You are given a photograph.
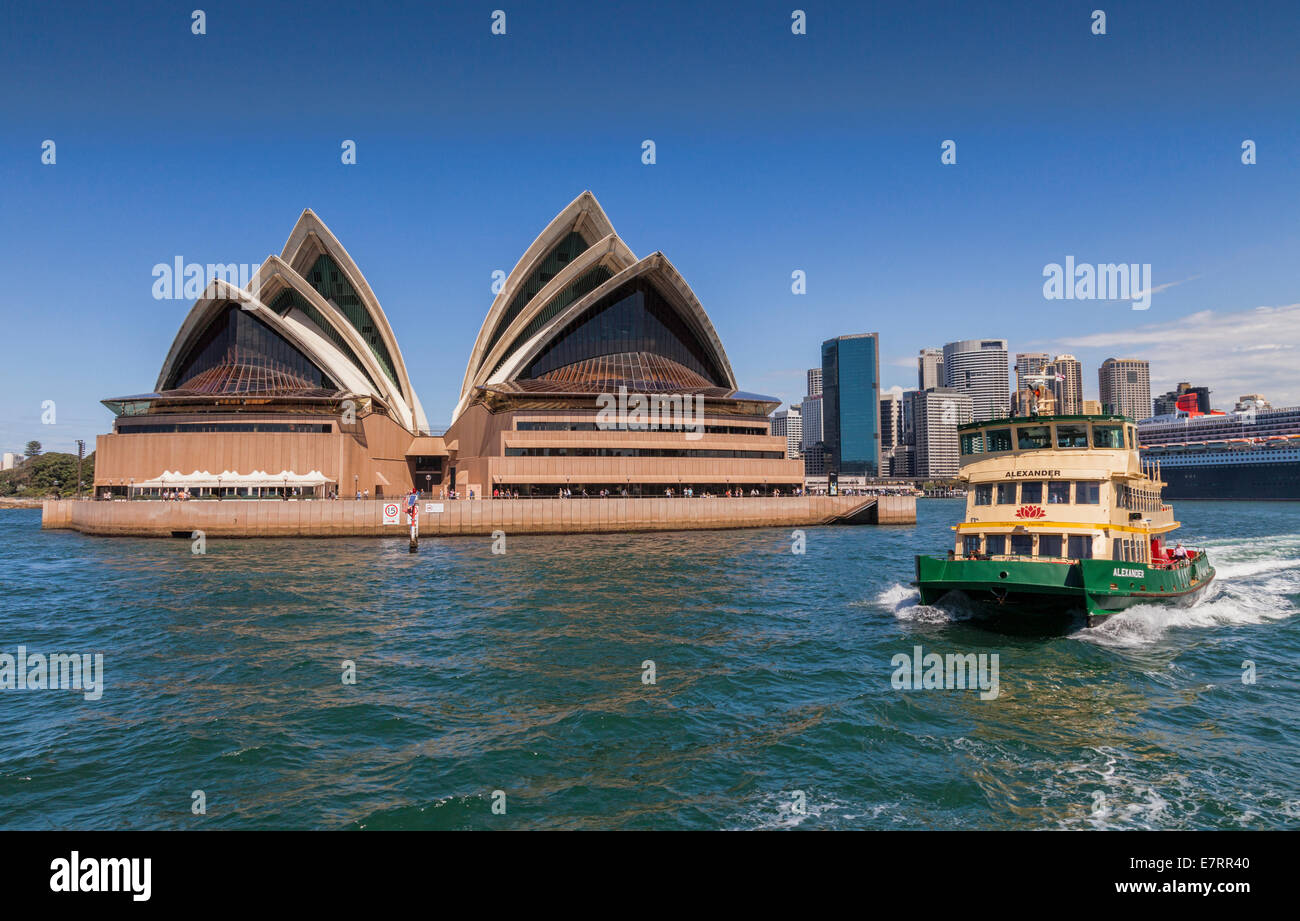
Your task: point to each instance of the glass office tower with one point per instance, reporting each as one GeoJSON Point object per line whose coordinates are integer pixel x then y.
{"type": "Point", "coordinates": [851, 404]}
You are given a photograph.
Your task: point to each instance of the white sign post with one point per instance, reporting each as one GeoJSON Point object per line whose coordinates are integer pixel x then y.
{"type": "Point", "coordinates": [392, 513]}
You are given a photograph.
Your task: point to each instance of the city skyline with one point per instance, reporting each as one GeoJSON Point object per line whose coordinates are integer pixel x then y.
{"type": "Point", "coordinates": [758, 175]}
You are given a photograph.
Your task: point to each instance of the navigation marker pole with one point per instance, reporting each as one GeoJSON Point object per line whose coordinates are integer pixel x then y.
{"type": "Point", "coordinates": [415, 528]}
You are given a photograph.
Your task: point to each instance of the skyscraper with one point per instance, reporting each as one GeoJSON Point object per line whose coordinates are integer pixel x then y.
{"type": "Point", "coordinates": [935, 417]}
{"type": "Point", "coordinates": [1032, 384]}
{"type": "Point", "coordinates": [1125, 385]}
{"type": "Point", "coordinates": [1028, 363]}
{"type": "Point", "coordinates": [814, 382]}
{"type": "Point", "coordinates": [929, 369]}
{"type": "Point", "coordinates": [788, 424]}
{"type": "Point", "coordinates": [891, 431]}
{"type": "Point", "coordinates": [978, 367]}
{"type": "Point", "coordinates": [891, 422]}
{"type": "Point", "coordinates": [851, 404]}
{"type": "Point", "coordinates": [1185, 397]}
{"type": "Point", "coordinates": [1069, 392]}
{"type": "Point", "coordinates": [814, 460]}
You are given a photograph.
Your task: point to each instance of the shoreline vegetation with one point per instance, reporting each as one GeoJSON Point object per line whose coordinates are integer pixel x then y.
{"type": "Point", "coordinates": [50, 475]}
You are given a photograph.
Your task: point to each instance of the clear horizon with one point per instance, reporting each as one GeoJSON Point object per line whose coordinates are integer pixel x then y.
{"type": "Point", "coordinates": [775, 152]}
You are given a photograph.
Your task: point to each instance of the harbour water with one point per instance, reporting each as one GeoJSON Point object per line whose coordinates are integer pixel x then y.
{"type": "Point", "coordinates": [526, 672]}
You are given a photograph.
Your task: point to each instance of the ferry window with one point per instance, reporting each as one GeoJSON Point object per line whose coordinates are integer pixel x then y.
{"type": "Point", "coordinates": [1022, 545]}
{"type": "Point", "coordinates": [995, 544]}
{"type": "Point", "coordinates": [970, 545]}
{"type": "Point", "coordinates": [1087, 493]}
{"type": "Point", "coordinates": [1058, 492]}
{"type": "Point", "coordinates": [999, 439]}
{"type": "Point", "coordinates": [1107, 436]}
{"type": "Point", "coordinates": [1006, 494]}
{"type": "Point", "coordinates": [1119, 550]}
{"type": "Point", "coordinates": [1132, 436]}
{"type": "Point", "coordinates": [1072, 436]}
{"type": "Point", "coordinates": [1079, 547]}
{"type": "Point", "coordinates": [984, 494]}
{"type": "Point", "coordinates": [1031, 493]}
{"type": "Point", "coordinates": [1049, 545]}
{"type": "Point", "coordinates": [1034, 436]}
{"type": "Point", "coordinates": [972, 443]}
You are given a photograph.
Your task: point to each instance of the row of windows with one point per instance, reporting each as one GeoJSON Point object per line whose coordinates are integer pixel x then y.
{"type": "Point", "coordinates": [1044, 546]}
{"type": "Point", "coordinates": [1272, 421]}
{"type": "Point", "coordinates": [1036, 437]}
{"type": "Point", "coordinates": [1032, 492]}
{"type": "Point", "coordinates": [639, 452]}
{"type": "Point", "coordinates": [281, 427]}
{"type": "Point", "coordinates": [628, 489]}
{"type": "Point", "coordinates": [592, 427]}
{"type": "Point", "coordinates": [1138, 500]}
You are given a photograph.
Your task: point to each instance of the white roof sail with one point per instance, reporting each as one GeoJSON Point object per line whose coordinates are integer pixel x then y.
{"type": "Point", "coordinates": [362, 372]}
{"type": "Point", "coordinates": [582, 215]}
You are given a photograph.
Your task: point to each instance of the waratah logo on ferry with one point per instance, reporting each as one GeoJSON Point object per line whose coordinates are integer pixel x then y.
{"type": "Point", "coordinates": [1030, 511]}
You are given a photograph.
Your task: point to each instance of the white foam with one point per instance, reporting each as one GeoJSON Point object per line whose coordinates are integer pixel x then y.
{"type": "Point", "coordinates": [1230, 570]}
{"type": "Point", "coordinates": [1117, 800]}
{"type": "Point", "coordinates": [898, 595]}
{"type": "Point", "coordinates": [1255, 593]}
{"type": "Point", "coordinates": [903, 601]}
{"type": "Point", "coordinates": [776, 810]}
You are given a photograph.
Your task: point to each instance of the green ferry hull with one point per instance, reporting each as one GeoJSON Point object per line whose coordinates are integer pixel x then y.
{"type": "Point", "coordinates": [1037, 587]}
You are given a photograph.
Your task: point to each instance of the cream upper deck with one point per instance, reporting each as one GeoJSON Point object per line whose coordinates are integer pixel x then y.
{"type": "Point", "coordinates": [1059, 488]}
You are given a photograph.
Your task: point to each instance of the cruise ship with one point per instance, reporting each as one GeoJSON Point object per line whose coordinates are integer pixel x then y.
{"type": "Point", "coordinates": [1245, 454]}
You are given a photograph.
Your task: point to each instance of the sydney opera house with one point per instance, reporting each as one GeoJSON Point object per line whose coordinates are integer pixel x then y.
{"type": "Point", "coordinates": [593, 371]}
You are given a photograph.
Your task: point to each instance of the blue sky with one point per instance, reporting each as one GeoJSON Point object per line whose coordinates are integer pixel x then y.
{"type": "Point", "coordinates": [775, 152]}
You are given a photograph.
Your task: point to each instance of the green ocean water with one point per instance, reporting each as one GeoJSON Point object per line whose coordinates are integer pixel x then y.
{"type": "Point", "coordinates": [772, 705]}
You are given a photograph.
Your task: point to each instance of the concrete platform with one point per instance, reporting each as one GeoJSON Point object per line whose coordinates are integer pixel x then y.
{"type": "Point", "coordinates": [364, 518]}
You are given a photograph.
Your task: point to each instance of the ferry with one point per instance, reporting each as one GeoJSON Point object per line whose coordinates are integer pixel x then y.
{"type": "Point", "coordinates": [1062, 516]}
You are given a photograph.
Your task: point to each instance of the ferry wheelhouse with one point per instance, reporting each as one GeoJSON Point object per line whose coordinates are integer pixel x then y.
{"type": "Point", "coordinates": [1062, 515]}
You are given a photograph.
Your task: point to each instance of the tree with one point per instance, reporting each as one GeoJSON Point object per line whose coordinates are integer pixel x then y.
{"type": "Point", "coordinates": [33, 449]}
{"type": "Point", "coordinates": [36, 477]}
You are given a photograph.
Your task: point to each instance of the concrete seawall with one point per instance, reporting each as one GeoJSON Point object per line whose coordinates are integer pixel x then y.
{"type": "Point", "coordinates": [364, 518]}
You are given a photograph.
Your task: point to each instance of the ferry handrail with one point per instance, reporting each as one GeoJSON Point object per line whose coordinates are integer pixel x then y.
{"type": "Point", "coordinates": [1020, 558]}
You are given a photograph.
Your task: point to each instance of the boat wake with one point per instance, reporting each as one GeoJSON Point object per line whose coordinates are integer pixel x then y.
{"type": "Point", "coordinates": [904, 602]}
{"type": "Point", "coordinates": [1254, 584]}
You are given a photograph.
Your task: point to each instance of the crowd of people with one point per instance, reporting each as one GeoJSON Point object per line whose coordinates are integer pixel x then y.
{"type": "Point", "coordinates": [562, 492]}
{"type": "Point", "coordinates": [624, 492]}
